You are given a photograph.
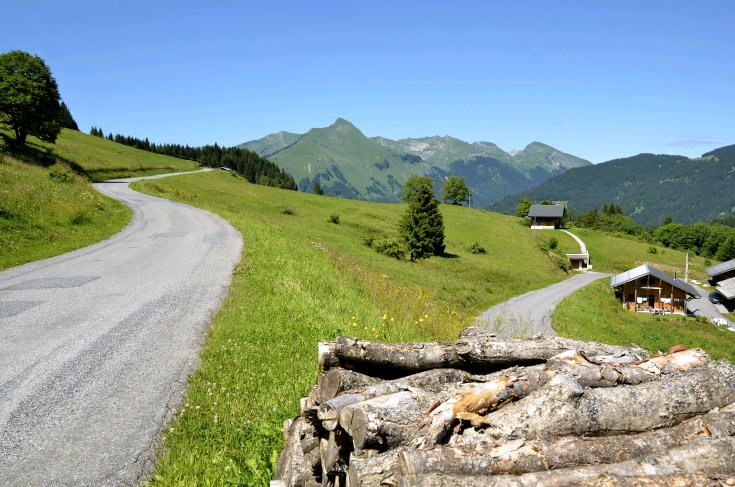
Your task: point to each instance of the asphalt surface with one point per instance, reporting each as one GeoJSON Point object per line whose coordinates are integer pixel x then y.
{"type": "Point", "coordinates": [96, 345]}
{"type": "Point", "coordinates": [530, 314]}
{"type": "Point", "coordinates": [703, 307]}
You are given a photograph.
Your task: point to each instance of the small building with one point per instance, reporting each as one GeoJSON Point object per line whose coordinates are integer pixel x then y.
{"type": "Point", "coordinates": [545, 217]}
{"type": "Point", "coordinates": [579, 261]}
{"type": "Point", "coordinates": [647, 289]}
{"type": "Point", "coordinates": [723, 278]}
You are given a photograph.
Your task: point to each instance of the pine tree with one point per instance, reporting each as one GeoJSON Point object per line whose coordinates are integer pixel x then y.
{"type": "Point", "coordinates": [422, 226]}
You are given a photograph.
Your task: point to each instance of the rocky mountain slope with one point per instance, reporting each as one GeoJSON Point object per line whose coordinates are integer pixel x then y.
{"type": "Point", "coordinates": [346, 163]}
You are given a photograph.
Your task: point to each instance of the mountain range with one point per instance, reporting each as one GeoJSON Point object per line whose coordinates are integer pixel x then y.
{"type": "Point", "coordinates": [346, 163]}
{"type": "Point", "coordinates": [648, 187]}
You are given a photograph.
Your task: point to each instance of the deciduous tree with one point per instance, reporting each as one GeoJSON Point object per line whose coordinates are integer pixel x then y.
{"type": "Point", "coordinates": [455, 190]}
{"type": "Point", "coordinates": [523, 207]}
{"type": "Point", "coordinates": [29, 97]}
{"type": "Point", "coordinates": [414, 184]}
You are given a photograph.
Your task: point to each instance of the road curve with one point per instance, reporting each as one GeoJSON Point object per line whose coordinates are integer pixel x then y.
{"type": "Point", "coordinates": [96, 345]}
{"type": "Point", "coordinates": [530, 314]}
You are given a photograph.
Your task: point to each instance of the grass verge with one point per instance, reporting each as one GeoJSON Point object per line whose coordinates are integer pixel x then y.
{"type": "Point", "coordinates": [49, 211]}
{"type": "Point", "coordinates": [593, 313]}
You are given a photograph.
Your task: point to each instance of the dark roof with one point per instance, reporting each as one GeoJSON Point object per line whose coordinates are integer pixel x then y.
{"type": "Point", "coordinates": [546, 211]}
{"type": "Point", "coordinates": [718, 269]}
{"type": "Point", "coordinates": [646, 269]}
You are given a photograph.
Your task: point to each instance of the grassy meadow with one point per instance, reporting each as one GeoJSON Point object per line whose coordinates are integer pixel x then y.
{"type": "Point", "coordinates": [593, 313]}
{"type": "Point", "coordinates": [100, 158]}
{"type": "Point", "coordinates": [303, 279]}
{"type": "Point", "coordinates": [49, 211]}
{"type": "Point", "coordinates": [615, 255]}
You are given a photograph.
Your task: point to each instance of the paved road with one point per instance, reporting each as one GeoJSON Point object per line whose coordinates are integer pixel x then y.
{"type": "Point", "coordinates": [703, 307]}
{"type": "Point", "coordinates": [96, 345]}
{"type": "Point", "coordinates": [530, 314]}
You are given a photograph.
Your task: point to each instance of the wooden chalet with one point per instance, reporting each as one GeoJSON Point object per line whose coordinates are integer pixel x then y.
{"type": "Point", "coordinates": [545, 216]}
{"type": "Point", "coordinates": [723, 278]}
{"type": "Point", "coordinates": [647, 289]}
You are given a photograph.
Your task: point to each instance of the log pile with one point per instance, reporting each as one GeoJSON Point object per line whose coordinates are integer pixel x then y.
{"type": "Point", "coordinates": [491, 411]}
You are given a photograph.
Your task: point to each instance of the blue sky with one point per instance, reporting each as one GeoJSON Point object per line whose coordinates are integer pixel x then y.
{"type": "Point", "coordinates": [600, 80]}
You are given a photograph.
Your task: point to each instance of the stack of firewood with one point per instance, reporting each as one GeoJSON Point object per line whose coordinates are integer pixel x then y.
{"type": "Point", "coordinates": [487, 410]}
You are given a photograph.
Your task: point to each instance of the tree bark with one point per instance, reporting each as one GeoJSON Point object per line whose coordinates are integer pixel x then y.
{"type": "Point", "coordinates": [714, 457]}
{"type": "Point", "coordinates": [476, 400]}
{"type": "Point", "coordinates": [386, 421]}
{"type": "Point", "coordinates": [491, 457]}
{"type": "Point", "coordinates": [370, 471]}
{"type": "Point", "coordinates": [563, 408]}
{"type": "Point", "coordinates": [294, 468]}
{"type": "Point", "coordinates": [338, 380]}
{"type": "Point", "coordinates": [483, 354]}
{"type": "Point", "coordinates": [589, 373]}
{"type": "Point", "coordinates": [599, 480]}
{"type": "Point", "coordinates": [436, 380]}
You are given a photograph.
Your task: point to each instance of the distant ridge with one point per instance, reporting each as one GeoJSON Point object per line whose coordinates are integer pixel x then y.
{"type": "Point", "coordinates": [647, 187]}
{"type": "Point", "coordinates": [346, 163]}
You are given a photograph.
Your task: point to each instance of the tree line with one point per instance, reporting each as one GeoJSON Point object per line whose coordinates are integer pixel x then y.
{"type": "Point", "coordinates": [252, 166]}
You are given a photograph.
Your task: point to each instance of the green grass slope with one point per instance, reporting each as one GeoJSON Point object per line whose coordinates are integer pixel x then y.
{"type": "Point", "coordinates": [46, 212]}
{"type": "Point", "coordinates": [100, 158]}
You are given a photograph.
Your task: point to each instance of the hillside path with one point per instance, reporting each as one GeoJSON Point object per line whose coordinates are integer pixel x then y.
{"type": "Point", "coordinates": [96, 344]}
{"type": "Point", "coordinates": [530, 314]}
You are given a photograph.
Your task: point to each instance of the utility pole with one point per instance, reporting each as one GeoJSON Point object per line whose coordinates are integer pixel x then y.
{"type": "Point", "coordinates": [686, 271]}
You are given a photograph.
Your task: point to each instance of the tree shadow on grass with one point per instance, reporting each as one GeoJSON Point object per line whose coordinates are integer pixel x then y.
{"type": "Point", "coordinates": [37, 155]}
{"type": "Point", "coordinates": [447, 255]}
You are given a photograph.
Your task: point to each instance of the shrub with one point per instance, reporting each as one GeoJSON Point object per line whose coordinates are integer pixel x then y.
{"type": "Point", "coordinates": [80, 218]}
{"type": "Point", "coordinates": [553, 243]}
{"type": "Point", "coordinates": [561, 262]}
{"type": "Point", "coordinates": [476, 248]}
{"type": "Point", "coordinates": [652, 249]}
{"type": "Point", "coordinates": [288, 211]}
{"type": "Point", "coordinates": [334, 218]}
{"type": "Point", "coordinates": [56, 173]}
{"type": "Point", "coordinates": [392, 247]}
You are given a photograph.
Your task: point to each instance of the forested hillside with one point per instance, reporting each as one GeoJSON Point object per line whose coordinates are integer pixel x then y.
{"type": "Point", "coordinates": [254, 168]}
{"type": "Point", "coordinates": [647, 187]}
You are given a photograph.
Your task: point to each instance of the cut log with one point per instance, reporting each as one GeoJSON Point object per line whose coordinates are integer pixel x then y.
{"type": "Point", "coordinates": [370, 471]}
{"type": "Point", "coordinates": [486, 457]}
{"type": "Point", "coordinates": [590, 373]}
{"type": "Point", "coordinates": [599, 480]}
{"type": "Point", "coordinates": [713, 457]}
{"type": "Point", "coordinates": [338, 380]}
{"type": "Point", "coordinates": [477, 400]}
{"type": "Point", "coordinates": [563, 408]}
{"type": "Point", "coordinates": [436, 380]}
{"type": "Point", "coordinates": [482, 354]}
{"type": "Point", "coordinates": [386, 421]}
{"type": "Point", "coordinates": [293, 468]}
{"type": "Point", "coordinates": [326, 359]}
{"type": "Point", "coordinates": [491, 350]}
